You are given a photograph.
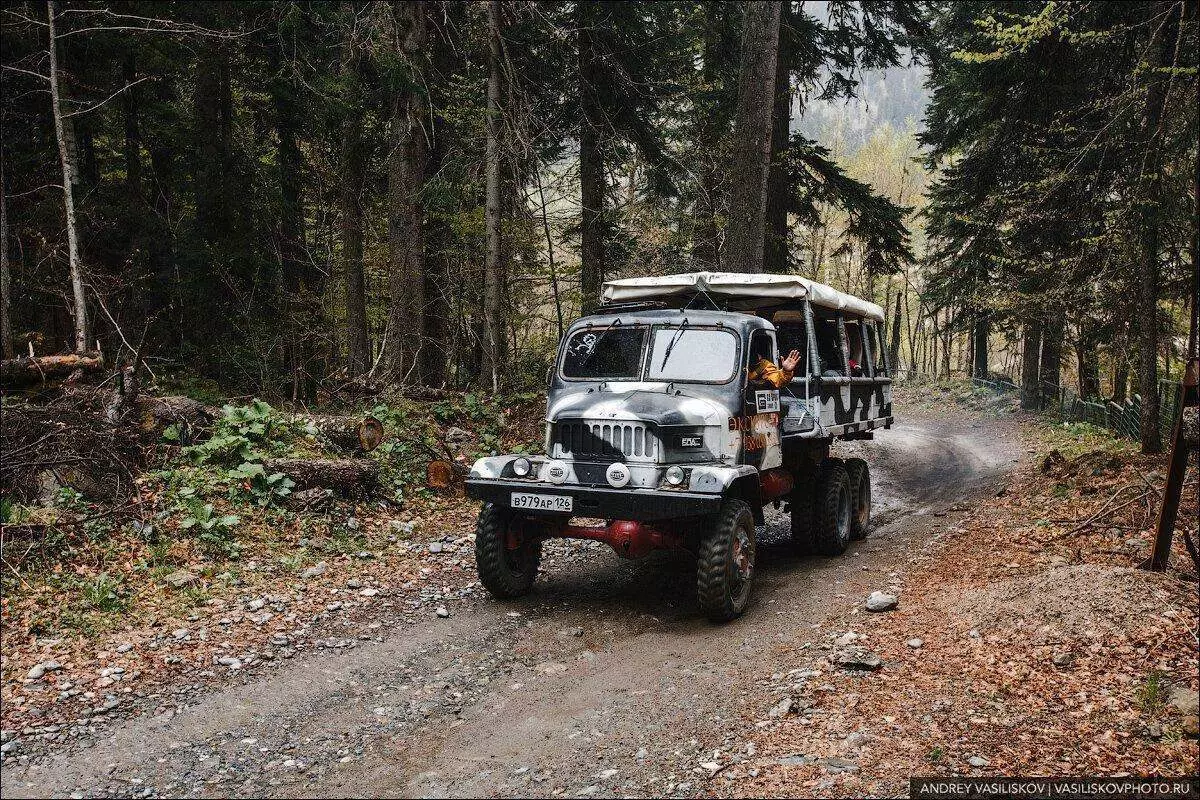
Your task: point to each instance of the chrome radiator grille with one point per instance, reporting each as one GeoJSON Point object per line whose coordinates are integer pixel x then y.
{"type": "Point", "coordinates": [605, 441]}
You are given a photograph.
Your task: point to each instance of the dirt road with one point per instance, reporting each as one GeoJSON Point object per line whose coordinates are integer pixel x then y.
{"type": "Point", "coordinates": [604, 682]}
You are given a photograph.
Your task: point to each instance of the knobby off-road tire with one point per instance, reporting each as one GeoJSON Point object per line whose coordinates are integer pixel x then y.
{"type": "Point", "coordinates": [802, 507]}
{"type": "Point", "coordinates": [860, 485]}
{"type": "Point", "coordinates": [835, 505]}
{"type": "Point", "coordinates": [504, 571]}
{"type": "Point", "coordinates": [725, 566]}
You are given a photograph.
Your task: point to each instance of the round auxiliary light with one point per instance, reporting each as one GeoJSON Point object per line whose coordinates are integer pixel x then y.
{"type": "Point", "coordinates": [521, 467]}
{"type": "Point", "coordinates": [617, 474]}
{"type": "Point", "coordinates": [556, 471]}
{"type": "Point", "coordinates": [675, 476]}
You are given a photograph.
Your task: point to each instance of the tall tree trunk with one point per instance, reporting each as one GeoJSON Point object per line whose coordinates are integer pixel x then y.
{"type": "Point", "coordinates": [1120, 390]}
{"type": "Point", "coordinates": [6, 342]}
{"type": "Point", "coordinates": [1031, 350]}
{"type": "Point", "coordinates": [558, 311]}
{"type": "Point", "coordinates": [591, 163]}
{"type": "Point", "coordinates": [1148, 235]}
{"type": "Point", "coordinates": [776, 255]}
{"type": "Point", "coordinates": [62, 132]}
{"type": "Point", "coordinates": [1087, 362]}
{"type": "Point", "coordinates": [358, 352]}
{"type": "Point", "coordinates": [751, 161]}
{"type": "Point", "coordinates": [1050, 370]}
{"type": "Point", "coordinates": [949, 341]}
{"type": "Point", "coordinates": [438, 352]}
{"type": "Point", "coordinates": [493, 277]}
{"type": "Point", "coordinates": [133, 137]}
{"type": "Point", "coordinates": [406, 177]}
{"type": "Point", "coordinates": [706, 236]}
{"type": "Point", "coordinates": [980, 335]}
{"type": "Point", "coordinates": [894, 345]}
{"type": "Point", "coordinates": [299, 281]}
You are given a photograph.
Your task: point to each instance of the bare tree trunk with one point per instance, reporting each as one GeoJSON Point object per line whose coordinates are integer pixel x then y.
{"type": "Point", "coordinates": [948, 327]}
{"type": "Point", "coordinates": [744, 242]}
{"type": "Point", "coordinates": [591, 164]}
{"type": "Point", "coordinates": [493, 277]}
{"type": "Point", "coordinates": [62, 126]}
{"type": "Point", "coordinates": [1088, 363]}
{"type": "Point", "coordinates": [1031, 351]}
{"type": "Point", "coordinates": [1148, 236]}
{"type": "Point", "coordinates": [358, 352]}
{"type": "Point", "coordinates": [1120, 390]}
{"type": "Point", "coordinates": [302, 283]}
{"type": "Point", "coordinates": [558, 312]}
{"type": "Point", "coordinates": [406, 178]}
{"type": "Point", "coordinates": [1050, 371]}
{"type": "Point", "coordinates": [894, 345]}
{"type": "Point", "coordinates": [776, 254]}
{"type": "Point", "coordinates": [980, 335]}
{"type": "Point", "coordinates": [6, 342]}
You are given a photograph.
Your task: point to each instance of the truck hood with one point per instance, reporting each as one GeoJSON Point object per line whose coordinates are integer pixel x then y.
{"type": "Point", "coordinates": [659, 408]}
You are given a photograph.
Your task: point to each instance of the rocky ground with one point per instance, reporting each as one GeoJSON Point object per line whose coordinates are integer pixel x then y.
{"type": "Point", "coordinates": [389, 672]}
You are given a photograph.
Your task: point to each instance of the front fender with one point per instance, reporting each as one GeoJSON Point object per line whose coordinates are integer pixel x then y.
{"type": "Point", "coordinates": [718, 480]}
{"type": "Point", "coordinates": [493, 467]}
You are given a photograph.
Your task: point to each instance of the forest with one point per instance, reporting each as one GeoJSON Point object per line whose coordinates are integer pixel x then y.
{"type": "Point", "coordinates": [299, 199]}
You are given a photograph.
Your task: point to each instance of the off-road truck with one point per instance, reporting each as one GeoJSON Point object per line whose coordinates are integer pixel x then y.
{"type": "Point", "coordinates": [655, 432]}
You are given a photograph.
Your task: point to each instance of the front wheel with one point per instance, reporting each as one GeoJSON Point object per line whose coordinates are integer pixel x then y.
{"type": "Point", "coordinates": [725, 566]}
{"type": "Point", "coordinates": [507, 551]}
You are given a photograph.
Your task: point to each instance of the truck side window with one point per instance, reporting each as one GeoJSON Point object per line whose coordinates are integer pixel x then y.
{"type": "Point", "coordinates": [854, 341]}
{"type": "Point", "coordinates": [829, 346]}
{"type": "Point", "coordinates": [873, 337]}
{"type": "Point", "coordinates": [793, 336]}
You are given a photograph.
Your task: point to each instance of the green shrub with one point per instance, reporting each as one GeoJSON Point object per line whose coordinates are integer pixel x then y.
{"type": "Point", "coordinates": [264, 488]}
{"type": "Point", "coordinates": [216, 531]}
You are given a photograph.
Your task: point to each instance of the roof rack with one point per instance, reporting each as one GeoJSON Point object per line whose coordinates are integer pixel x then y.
{"type": "Point", "coordinates": [635, 305]}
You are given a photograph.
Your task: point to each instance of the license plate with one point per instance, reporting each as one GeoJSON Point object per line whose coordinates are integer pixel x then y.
{"type": "Point", "coordinates": [542, 502]}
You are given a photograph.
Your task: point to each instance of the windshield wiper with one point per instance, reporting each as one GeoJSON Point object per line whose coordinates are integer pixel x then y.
{"type": "Point", "coordinates": [599, 339]}
{"type": "Point", "coordinates": [671, 344]}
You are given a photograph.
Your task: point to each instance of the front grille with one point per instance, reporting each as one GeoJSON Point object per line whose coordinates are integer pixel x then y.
{"type": "Point", "coordinates": [605, 441]}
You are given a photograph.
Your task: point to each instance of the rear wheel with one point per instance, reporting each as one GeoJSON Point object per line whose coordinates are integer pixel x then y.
{"type": "Point", "coordinates": [802, 507]}
{"type": "Point", "coordinates": [835, 503]}
{"type": "Point", "coordinates": [725, 566]}
{"type": "Point", "coordinates": [860, 485]}
{"type": "Point", "coordinates": [507, 551]}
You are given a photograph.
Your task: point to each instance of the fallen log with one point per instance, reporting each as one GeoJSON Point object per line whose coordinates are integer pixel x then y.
{"type": "Point", "coordinates": [191, 418]}
{"type": "Point", "coordinates": [342, 474]}
{"type": "Point", "coordinates": [27, 371]}
{"type": "Point", "coordinates": [348, 433]}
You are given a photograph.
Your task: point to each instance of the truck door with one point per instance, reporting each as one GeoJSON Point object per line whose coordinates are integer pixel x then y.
{"type": "Point", "coordinates": [761, 445]}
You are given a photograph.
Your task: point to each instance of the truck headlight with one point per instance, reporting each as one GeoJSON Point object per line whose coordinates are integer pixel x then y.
{"type": "Point", "coordinates": [522, 467]}
{"type": "Point", "coordinates": [675, 475]}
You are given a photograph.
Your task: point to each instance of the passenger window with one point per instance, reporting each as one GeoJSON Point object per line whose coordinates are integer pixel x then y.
{"type": "Point", "coordinates": [854, 342]}
{"type": "Point", "coordinates": [873, 337]}
{"type": "Point", "coordinates": [792, 334]}
{"type": "Point", "coordinates": [829, 347]}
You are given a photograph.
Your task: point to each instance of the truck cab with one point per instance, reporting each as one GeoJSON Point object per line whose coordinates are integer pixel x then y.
{"type": "Point", "coordinates": [654, 427]}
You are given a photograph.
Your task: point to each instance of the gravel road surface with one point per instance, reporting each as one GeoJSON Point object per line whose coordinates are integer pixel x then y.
{"type": "Point", "coordinates": [604, 682]}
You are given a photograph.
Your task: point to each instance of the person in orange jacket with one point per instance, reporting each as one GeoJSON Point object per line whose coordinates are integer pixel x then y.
{"type": "Point", "coordinates": [764, 370]}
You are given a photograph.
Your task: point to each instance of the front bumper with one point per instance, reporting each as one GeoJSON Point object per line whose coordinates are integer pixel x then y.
{"type": "Point", "coordinates": [643, 505]}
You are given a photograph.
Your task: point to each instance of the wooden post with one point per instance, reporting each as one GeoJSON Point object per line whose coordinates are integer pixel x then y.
{"type": "Point", "coordinates": [1168, 512]}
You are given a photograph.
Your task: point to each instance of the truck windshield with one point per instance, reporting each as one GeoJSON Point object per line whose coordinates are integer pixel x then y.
{"type": "Point", "coordinates": [612, 353]}
{"type": "Point", "coordinates": [697, 354]}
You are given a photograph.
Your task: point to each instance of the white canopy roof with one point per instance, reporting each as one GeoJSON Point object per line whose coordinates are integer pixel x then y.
{"type": "Point", "coordinates": [745, 289]}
